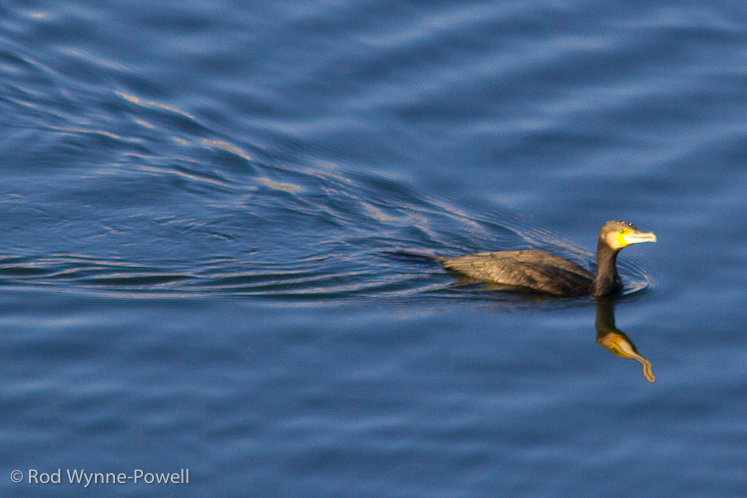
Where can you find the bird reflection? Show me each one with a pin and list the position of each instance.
(616, 341)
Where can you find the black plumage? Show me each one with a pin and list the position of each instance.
(539, 271)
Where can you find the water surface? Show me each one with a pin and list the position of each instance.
(202, 203)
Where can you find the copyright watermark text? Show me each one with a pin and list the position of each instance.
(85, 479)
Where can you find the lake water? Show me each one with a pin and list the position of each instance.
(205, 206)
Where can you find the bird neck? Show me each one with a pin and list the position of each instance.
(607, 280)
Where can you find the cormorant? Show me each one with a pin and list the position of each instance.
(540, 271)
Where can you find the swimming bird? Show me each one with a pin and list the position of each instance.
(539, 271)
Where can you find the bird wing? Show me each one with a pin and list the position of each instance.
(536, 270)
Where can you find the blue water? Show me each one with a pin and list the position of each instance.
(204, 207)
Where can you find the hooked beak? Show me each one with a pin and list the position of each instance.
(638, 237)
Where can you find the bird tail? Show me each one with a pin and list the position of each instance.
(413, 256)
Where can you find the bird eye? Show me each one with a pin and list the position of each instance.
(622, 230)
